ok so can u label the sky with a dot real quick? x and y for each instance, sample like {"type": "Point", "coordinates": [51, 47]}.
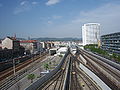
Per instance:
{"type": "Point", "coordinates": [57, 18]}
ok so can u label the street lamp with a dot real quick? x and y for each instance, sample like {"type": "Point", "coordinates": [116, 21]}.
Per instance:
{"type": "Point", "coordinates": [14, 65]}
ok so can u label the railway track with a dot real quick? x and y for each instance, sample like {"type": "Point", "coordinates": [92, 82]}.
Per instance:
{"type": "Point", "coordinates": [74, 77]}
{"type": "Point", "coordinates": [9, 71]}
{"type": "Point", "coordinates": [87, 81]}
{"type": "Point", "coordinates": [75, 74]}
{"type": "Point", "coordinates": [107, 73]}
{"type": "Point", "coordinates": [56, 81]}
{"type": "Point", "coordinates": [27, 68]}
{"type": "Point", "coordinates": [115, 73]}
{"type": "Point", "coordinates": [66, 76]}
{"type": "Point", "coordinates": [81, 79]}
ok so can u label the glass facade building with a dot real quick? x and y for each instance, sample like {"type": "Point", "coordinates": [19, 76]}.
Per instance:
{"type": "Point", "coordinates": [111, 42]}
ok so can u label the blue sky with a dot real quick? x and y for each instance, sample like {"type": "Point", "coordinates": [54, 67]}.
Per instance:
{"type": "Point", "coordinates": [57, 18]}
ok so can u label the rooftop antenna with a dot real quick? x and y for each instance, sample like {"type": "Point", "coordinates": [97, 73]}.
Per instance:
{"type": "Point", "coordinates": [14, 36]}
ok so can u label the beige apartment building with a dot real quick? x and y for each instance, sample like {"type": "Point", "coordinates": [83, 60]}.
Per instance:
{"type": "Point", "coordinates": [11, 43]}
{"type": "Point", "coordinates": [32, 46]}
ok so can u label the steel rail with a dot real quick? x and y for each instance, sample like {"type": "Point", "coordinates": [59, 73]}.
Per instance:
{"type": "Point", "coordinates": [58, 76]}
{"type": "Point", "coordinates": [55, 79]}
{"type": "Point", "coordinates": [42, 81]}
{"type": "Point", "coordinates": [113, 64]}
{"type": "Point", "coordinates": [67, 77]}
{"type": "Point", "coordinates": [91, 85]}
{"type": "Point", "coordinates": [105, 67]}
{"type": "Point", "coordinates": [111, 79]}
{"type": "Point", "coordinates": [108, 68]}
{"type": "Point", "coordinates": [13, 79]}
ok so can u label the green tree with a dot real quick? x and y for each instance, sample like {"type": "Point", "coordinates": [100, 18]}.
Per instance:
{"type": "Point", "coordinates": [118, 58]}
{"type": "Point", "coordinates": [50, 63]}
{"type": "Point", "coordinates": [46, 66]}
{"type": "Point", "coordinates": [31, 77]}
{"type": "Point", "coordinates": [60, 55]}
{"type": "Point", "coordinates": [93, 48]}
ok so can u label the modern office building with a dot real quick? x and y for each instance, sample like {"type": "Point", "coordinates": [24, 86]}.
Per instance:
{"type": "Point", "coordinates": [111, 42]}
{"type": "Point", "coordinates": [91, 33]}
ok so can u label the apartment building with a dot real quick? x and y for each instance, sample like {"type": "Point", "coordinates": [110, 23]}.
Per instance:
{"type": "Point", "coordinates": [111, 42]}
{"type": "Point", "coordinates": [11, 43]}
{"type": "Point", "coordinates": [91, 33]}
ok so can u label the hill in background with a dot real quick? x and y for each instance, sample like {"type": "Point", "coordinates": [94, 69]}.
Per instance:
{"type": "Point", "coordinates": [57, 39]}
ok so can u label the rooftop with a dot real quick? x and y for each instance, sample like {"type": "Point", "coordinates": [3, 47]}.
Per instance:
{"type": "Point", "coordinates": [28, 41]}
{"type": "Point", "coordinates": [12, 38]}
{"type": "Point", "coordinates": [117, 33]}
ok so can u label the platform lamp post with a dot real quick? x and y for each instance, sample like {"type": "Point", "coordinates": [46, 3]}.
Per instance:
{"type": "Point", "coordinates": [40, 53]}
{"type": "Point", "coordinates": [14, 66]}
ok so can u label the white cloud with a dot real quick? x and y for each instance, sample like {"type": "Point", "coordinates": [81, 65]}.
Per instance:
{"type": "Point", "coordinates": [52, 2]}
{"type": "Point", "coordinates": [107, 15]}
{"type": "Point", "coordinates": [50, 19]}
{"type": "Point", "coordinates": [56, 17]}
{"type": "Point", "coordinates": [23, 3]}
{"type": "Point", "coordinates": [49, 22]}
{"type": "Point", "coordinates": [24, 6]}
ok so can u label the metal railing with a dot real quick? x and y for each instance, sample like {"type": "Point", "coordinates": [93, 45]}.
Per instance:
{"type": "Point", "coordinates": [67, 77]}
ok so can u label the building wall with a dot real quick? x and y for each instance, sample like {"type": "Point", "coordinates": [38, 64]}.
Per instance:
{"type": "Point", "coordinates": [111, 42]}
{"type": "Point", "coordinates": [56, 43]}
{"type": "Point", "coordinates": [84, 35]}
{"type": "Point", "coordinates": [44, 45]}
{"type": "Point", "coordinates": [16, 45]}
{"type": "Point", "coordinates": [28, 46]}
{"type": "Point", "coordinates": [39, 47]}
{"type": "Point", "coordinates": [90, 33]}
{"type": "Point", "coordinates": [7, 43]}
{"type": "Point", "coordinates": [33, 47]}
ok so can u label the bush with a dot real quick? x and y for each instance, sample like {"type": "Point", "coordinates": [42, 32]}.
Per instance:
{"type": "Point", "coordinates": [31, 77]}
{"type": "Point", "coordinates": [93, 48]}
{"type": "Point", "coordinates": [60, 55]}
{"type": "Point", "coordinates": [46, 66]}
